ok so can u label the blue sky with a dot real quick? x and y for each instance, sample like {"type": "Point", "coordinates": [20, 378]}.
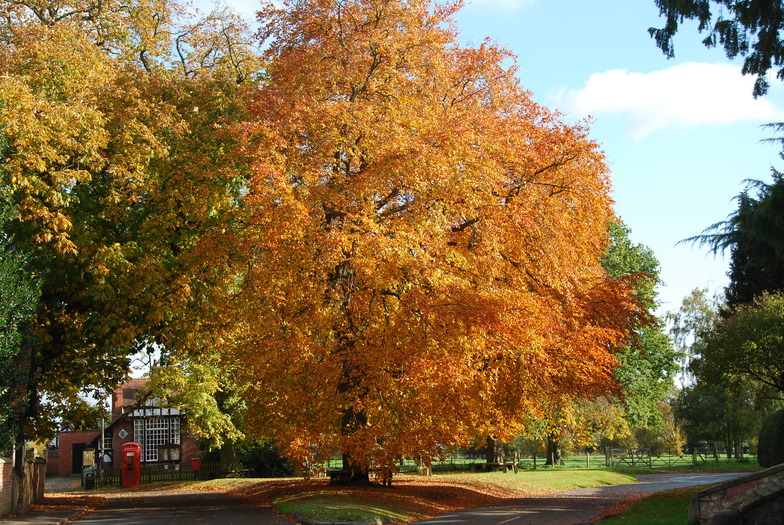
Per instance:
{"type": "Point", "coordinates": [680, 135]}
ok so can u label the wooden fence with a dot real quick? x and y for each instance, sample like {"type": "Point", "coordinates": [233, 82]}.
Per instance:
{"type": "Point", "coordinates": [642, 458]}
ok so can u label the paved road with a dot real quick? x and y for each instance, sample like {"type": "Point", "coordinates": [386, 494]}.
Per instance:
{"type": "Point", "coordinates": [574, 507]}
{"type": "Point", "coordinates": [186, 507]}
{"type": "Point", "coordinates": [180, 507]}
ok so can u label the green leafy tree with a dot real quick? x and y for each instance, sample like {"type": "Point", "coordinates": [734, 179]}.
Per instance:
{"type": "Point", "coordinates": [647, 369]}
{"type": "Point", "coordinates": [19, 297]}
{"type": "Point", "coordinates": [666, 439]}
{"type": "Point", "coordinates": [749, 28]}
{"type": "Point", "coordinates": [771, 446]}
{"type": "Point", "coordinates": [747, 343]}
{"type": "Point", "coordinates": [85, 415]}
{"type": "Point", "coordinates": [114, 118]}
{"type": "Point", "coordinates": [263, 459]}
{"type": "Point", "coordinates": [719, 405]}
{"type": "Point", "coordinates": [204, 394]}
{"type": "Point", "coordinates": [689, 324]}
{"type": "Point", "coordinates": [724, 415]}
{"type": "Point", "coordinates": [754, 234]}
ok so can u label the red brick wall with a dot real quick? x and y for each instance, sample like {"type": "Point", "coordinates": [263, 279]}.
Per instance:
{"type": "Point", "coordinates": [126, 395]}
{"type": "Point", "coordinates": [65, 451]}
{"type": "Point", "coordinates": [118, 442]}
{"type": "Point", "coordinates": [189, 450]}
{"type": "Point", "coordinates": [17, 494]}
{"type": "Point", "coordinates": [6, 490]}
{"type": "Point", "coordinates": [52, 462]}
{"type": "Point", "coordinates": [753, 496]}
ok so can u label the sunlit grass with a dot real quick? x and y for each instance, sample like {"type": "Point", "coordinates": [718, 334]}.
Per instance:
{"type": "Point", "coordinates": [545, 481]}
{"type": "Point", "coordinates": [331, 508]}
{"type": "Point", "coordinates": [663, 508]}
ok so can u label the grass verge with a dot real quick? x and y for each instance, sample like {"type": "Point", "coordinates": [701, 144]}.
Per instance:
{"type": "Point", "coordinates": [670, 507]}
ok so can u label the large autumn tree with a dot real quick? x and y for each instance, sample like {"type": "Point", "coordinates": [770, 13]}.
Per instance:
{"type": "Point", "coordinates": [111, 115]}
{"type": "Point", "coordinates": [423, 240]}
{"type": "Point", "coordinates": [646, 366]}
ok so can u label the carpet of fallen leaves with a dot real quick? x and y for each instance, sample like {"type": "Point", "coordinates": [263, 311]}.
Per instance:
{"type": "Point", "coordinates": [422, 497]}
{"type": "Point", "coordinates": [621, 507]}
{"type": "Point", "coordinates": [58, 500]}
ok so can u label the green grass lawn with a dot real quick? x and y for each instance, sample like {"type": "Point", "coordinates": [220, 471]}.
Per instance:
{"type": "Point", "coordinates": [544, 481]}
{"type": "Point", "coordinates": [324, 507]}
{"type": "Point", "coordinates": [594, 461]}
{"type": "Point", "coordinates": [664, 508]}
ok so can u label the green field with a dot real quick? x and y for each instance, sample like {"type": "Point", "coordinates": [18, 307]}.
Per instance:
{"type": "Point", "coordinates": [597, 461]}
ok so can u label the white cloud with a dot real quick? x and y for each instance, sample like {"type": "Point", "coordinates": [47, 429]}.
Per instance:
{"type": "Point", "coordinates": [683, 96]}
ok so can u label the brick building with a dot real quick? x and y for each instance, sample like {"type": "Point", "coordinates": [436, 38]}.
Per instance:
{"type": "Point", "coordinates": [136, 417]}
{"type": "Point", "coordinates": [67, 458]}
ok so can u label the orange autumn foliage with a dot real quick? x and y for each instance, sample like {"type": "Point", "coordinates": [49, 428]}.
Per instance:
{"type": "Point", "coordinates": [423, 240]}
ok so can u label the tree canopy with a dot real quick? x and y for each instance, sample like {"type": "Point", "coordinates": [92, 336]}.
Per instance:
{"type": "Point", "coordinates": [754, 234]}
{"type": "Point", "coordinates": [19, 296]}
{"type": "Point", "coordinates": [648, 366]}
{"type": "Point", "coordinates": [111, 115]}
{"type": "Point", "coordinates": [723, 413]}
{"type": "Point", "coordinates": [748, 342]}
{"type": "Point", "coordinates": [748, 28]}
{"type": "Point", "coordinates": [423, 241]}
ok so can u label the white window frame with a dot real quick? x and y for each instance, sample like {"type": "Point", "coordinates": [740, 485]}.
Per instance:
{"type": "Point", "coordinates": [154, 431]}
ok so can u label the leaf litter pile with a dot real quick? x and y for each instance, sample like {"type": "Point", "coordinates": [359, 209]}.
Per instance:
{"type": "Point", "coordinates": [413, 496]}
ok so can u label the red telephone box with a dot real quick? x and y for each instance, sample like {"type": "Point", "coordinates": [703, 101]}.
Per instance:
{"type": "Point", "coordinates": [131, 464]}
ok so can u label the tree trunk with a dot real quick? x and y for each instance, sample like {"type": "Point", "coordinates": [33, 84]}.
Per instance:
{"type": "Point", "coordinates": [494, 451]}
{"type": "Point", "coordinates": [553, 451]}
{"type": "Point", "coordinates": [350, 422]}
{"type": "Point", "coordinates": [341, 282]}
{"type": "Point", "coordinates": [359, 474]}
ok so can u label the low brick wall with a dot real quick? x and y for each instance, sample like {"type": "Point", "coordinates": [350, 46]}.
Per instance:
{"type": "Point", "coordinates": [757, 499]}
{"type": "Point", "coordinates": [6, 487]}
{"type": "Point", "coordinates": [16, 494]}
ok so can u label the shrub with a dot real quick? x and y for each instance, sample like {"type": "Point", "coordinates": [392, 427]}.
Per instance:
{"type": "Point", "coordinates": [263, 460]}
{"type": "Point", "coordinates": [771, 440]}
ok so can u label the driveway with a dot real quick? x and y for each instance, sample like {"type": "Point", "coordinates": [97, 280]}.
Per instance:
{"type": "Point", "coordinates": [574, 507]}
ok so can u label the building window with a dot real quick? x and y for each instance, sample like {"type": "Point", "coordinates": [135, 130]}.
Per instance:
{"type": "Point", "coordinates": [107, 440]}
{"type": "Point", "coordinates": [152, 432]}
